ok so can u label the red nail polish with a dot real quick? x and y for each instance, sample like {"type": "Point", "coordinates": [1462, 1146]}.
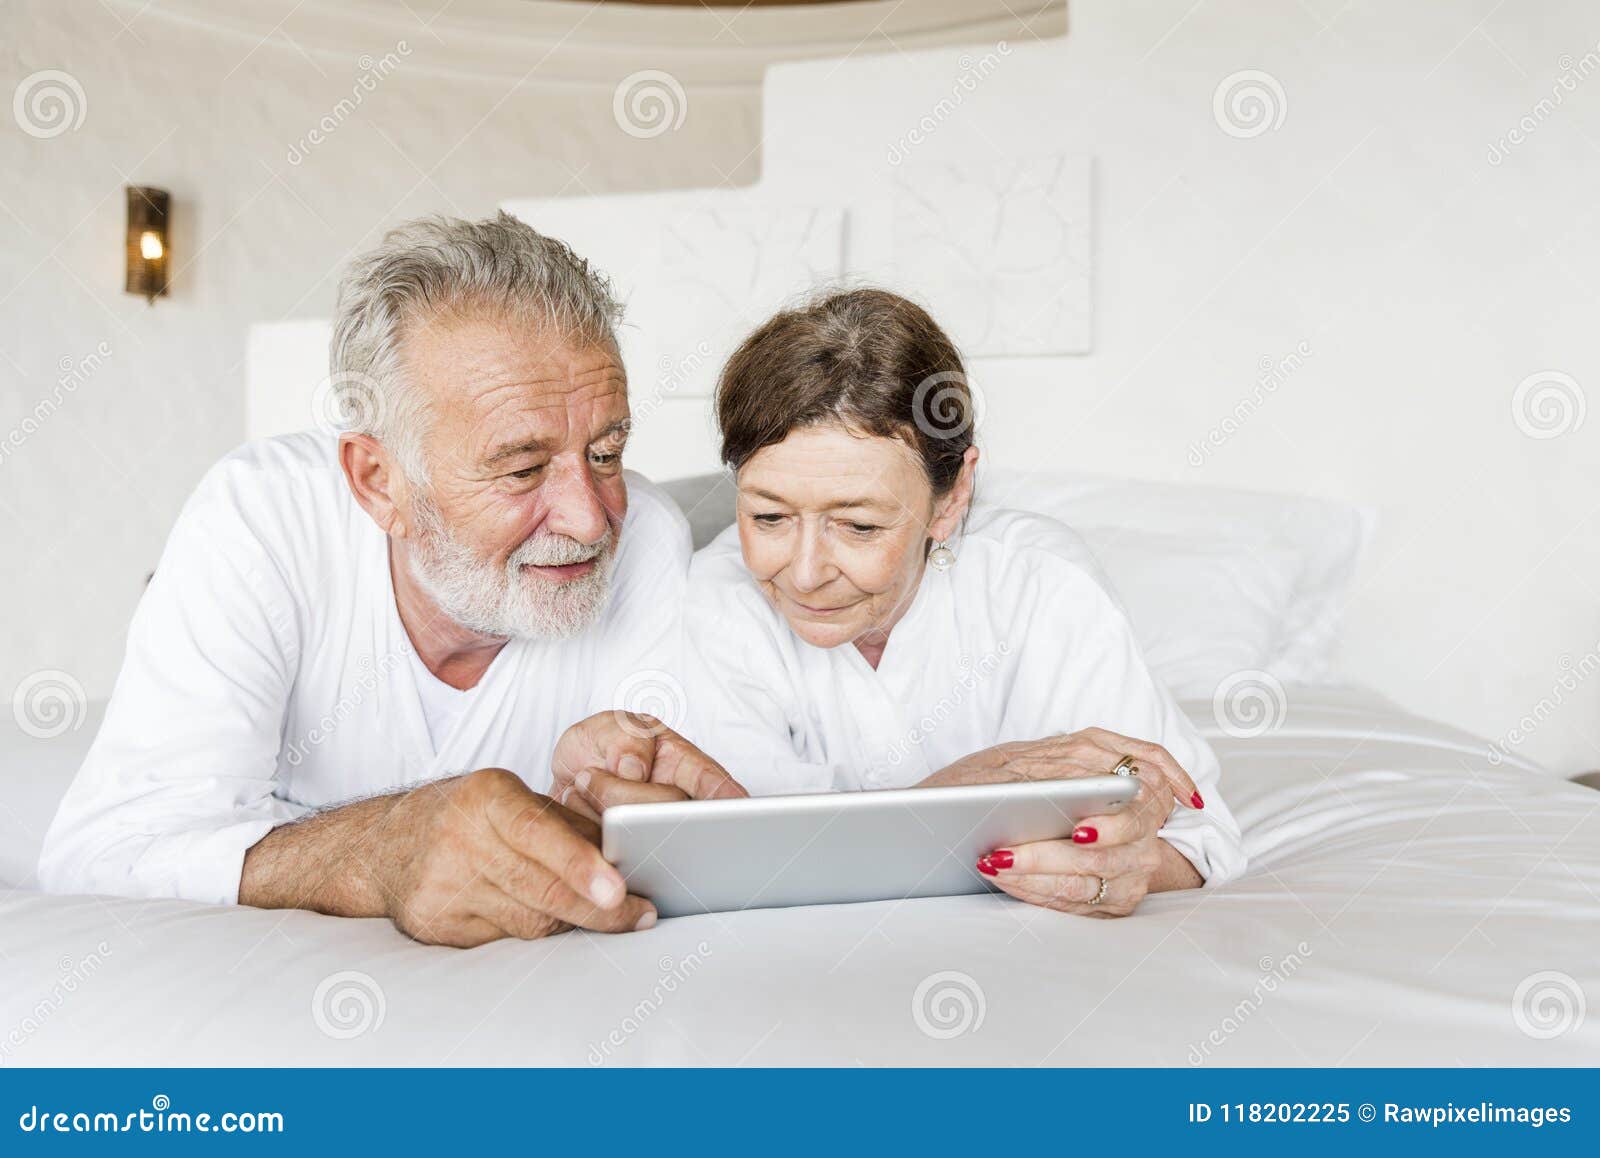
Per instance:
{"type": "Point", "coordinates": [1001, 858]}
{"type": "Point", "coordinates": [986, 868]}
{"type": "Point", "coordinates": [1196, 801]}
{"type": "Point", "coordinates": [1088, 834]}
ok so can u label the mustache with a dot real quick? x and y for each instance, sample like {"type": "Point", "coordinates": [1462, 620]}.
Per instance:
{"type": "Point", "coordinates": [552, 550]}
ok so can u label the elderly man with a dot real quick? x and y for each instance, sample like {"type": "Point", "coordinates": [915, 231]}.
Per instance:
{"type": "Point", "coordinates": [357, 658]}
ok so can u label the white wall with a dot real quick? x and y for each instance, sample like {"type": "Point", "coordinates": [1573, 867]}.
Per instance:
{"type": "Point", "coordinates": [1371, 224]}
{"type": "Point", "coordinates": [216, 100]}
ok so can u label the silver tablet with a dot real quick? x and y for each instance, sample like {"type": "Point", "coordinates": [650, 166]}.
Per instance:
{"type": "Point", "coordinates": [710, 856]}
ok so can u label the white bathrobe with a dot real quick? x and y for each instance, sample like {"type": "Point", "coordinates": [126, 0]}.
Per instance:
{"type": "Point", "coordinates": [268, 674]}
{"type": "Point", "coordinates": [1018, 640]}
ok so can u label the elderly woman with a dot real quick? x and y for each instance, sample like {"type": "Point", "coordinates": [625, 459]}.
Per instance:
{"type": "Point", "coordinates": [864, 625]}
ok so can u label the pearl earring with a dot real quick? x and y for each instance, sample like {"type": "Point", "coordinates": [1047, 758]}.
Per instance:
{"type": "Point", "coordinates": [942, 558]}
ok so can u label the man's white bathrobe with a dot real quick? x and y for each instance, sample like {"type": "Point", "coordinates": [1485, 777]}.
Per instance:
{"type": "Point", "coordinates": [1018, 640]}
{"type": "Point", "coordinates": [268, 674]}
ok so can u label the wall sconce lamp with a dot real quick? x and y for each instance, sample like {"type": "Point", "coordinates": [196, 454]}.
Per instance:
{"type": "Point", "coordinates": [148, 249]}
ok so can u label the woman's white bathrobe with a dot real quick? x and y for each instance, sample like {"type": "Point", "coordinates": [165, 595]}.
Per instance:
{"type": "Point", "coordinates": [1018, 640]}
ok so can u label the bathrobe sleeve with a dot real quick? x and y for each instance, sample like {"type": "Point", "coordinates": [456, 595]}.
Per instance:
{"type": "Point", "coordinates": [1080, 666]}
{"type": "Point", "coordinates": [180, 780]}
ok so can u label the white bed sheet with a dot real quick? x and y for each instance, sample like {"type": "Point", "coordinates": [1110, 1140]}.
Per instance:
{"type": "Point", "coordinates": [1403, 892]}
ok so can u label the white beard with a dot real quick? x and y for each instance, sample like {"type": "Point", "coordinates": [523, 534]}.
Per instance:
{"type": "Point", "coordinates": [507, 602]}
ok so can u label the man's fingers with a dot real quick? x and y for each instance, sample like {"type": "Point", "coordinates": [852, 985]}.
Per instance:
{"type": "Point", "coordinates": [538, 829]}
{"type": "Point", "coordinates": [556, 908]}
{"type": "Point", "coordinates": [687, 768]}
{"type": "Point", "coordinates": [599, 790]}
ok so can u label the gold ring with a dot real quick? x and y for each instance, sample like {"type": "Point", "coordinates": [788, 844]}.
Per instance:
{"type": "Point", "coordinates": [1101, 895]}
{"type": "Point", "coordinates": [1125, 767]}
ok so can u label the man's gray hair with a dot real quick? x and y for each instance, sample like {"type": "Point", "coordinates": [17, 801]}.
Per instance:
{"type": "Point", "coordinates": [437, 265]}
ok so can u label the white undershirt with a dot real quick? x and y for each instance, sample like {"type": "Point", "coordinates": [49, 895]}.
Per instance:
{"type": "Point", "coordinates": [442, 704]}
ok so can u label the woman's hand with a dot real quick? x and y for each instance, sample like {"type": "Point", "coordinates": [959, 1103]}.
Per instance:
{"type": "Point", "coordinates": [1091, 752]}
{"type": "Point", "coordinates": [1121, 849]}
{"type": "Point", "coordinates": [622, 757]}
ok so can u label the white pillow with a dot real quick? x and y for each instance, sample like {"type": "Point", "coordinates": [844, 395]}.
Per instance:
{"type": "Point", "coordinates": [1317, 541]}
{"type": "Point", "coordinates": [1201, 610]}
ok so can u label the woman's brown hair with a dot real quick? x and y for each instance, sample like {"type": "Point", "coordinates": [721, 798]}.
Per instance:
{"type": "Point", "coordinates": [866, 358]}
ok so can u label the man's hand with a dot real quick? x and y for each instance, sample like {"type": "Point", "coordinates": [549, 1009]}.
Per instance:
{"type": "Point", "coordinates": [621, 757]}
{"type": "Point", "coordinates": [455, 862]}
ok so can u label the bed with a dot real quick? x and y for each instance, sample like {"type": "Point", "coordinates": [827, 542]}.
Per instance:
{"type": "Point", "coordinates": [1416, 896]}
{"type": "Point", "coordinates": [1409, 903]}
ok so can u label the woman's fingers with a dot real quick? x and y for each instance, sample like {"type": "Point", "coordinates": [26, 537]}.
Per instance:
{"type": "Point", "coordinates": [1148, 754]}
{"type": "Point", "coordinates": [1076, 894]}
{"type": "Point", "coordinates": [1057, 858]}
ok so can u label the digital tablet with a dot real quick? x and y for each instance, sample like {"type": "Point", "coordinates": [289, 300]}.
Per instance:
{"type": "Point", "coordinates": [710, 856]}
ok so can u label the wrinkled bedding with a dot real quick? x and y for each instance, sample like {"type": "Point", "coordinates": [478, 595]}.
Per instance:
{"type": "Point", "coordinates": [1408, 903]}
